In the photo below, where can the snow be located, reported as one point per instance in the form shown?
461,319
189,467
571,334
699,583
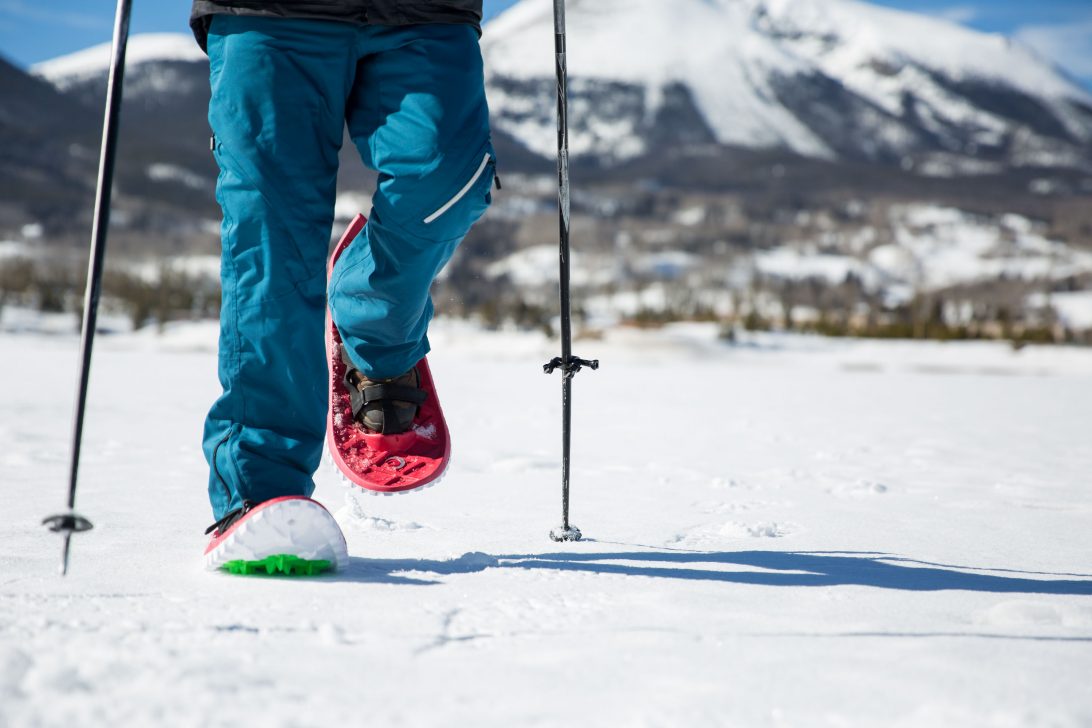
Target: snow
788,262
350,204
531,266
19,319
950,246
15,249
934,247
824,533
161,172
612,38
1073,307
142,48
691,216
868,33
536,265
732,54
204,267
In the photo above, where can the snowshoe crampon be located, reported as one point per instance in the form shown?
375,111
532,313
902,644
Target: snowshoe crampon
378,463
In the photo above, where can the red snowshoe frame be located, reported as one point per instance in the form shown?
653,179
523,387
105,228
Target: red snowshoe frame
379,463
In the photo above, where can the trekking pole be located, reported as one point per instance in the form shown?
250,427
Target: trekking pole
567,363
71,522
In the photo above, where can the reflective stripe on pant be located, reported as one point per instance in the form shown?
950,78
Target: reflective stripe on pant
282,92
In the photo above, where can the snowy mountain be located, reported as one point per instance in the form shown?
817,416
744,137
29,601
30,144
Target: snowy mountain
166,173
165,130
145,51
47,149
166,85
731,156
834,79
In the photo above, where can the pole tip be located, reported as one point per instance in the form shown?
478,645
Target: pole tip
67,524
566,533
64,554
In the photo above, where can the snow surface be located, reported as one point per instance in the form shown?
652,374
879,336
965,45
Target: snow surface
142,48
826,533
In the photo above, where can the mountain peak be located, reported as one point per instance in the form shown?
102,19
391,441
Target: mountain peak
67,70
625,39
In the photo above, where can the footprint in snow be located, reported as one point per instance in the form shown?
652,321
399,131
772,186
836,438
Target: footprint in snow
14,665
352,515
764,529
1024,613
738,506
859,489
713,534
519,464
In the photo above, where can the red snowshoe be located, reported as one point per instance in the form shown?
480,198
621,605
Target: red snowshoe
387,464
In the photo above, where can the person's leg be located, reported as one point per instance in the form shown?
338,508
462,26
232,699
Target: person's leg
277,112
418,116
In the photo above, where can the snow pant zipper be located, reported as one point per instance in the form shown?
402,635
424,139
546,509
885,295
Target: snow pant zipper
216,466
486,161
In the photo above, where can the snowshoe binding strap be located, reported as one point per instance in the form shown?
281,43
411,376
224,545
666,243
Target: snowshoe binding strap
386,406
229,520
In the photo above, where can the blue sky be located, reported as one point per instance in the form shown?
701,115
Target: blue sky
30,31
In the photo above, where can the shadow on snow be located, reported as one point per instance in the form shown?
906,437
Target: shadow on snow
776,568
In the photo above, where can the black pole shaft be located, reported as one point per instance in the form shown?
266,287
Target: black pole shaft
98,232
563,221
568,363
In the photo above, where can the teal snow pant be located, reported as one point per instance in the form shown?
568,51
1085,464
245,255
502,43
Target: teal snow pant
283,92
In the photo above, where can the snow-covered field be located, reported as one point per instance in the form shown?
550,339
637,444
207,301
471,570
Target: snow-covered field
787,532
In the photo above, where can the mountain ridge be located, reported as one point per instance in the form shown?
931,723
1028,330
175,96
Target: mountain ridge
775,73
887,118
64,71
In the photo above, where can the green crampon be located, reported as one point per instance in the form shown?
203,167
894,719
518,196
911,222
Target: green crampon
285,564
